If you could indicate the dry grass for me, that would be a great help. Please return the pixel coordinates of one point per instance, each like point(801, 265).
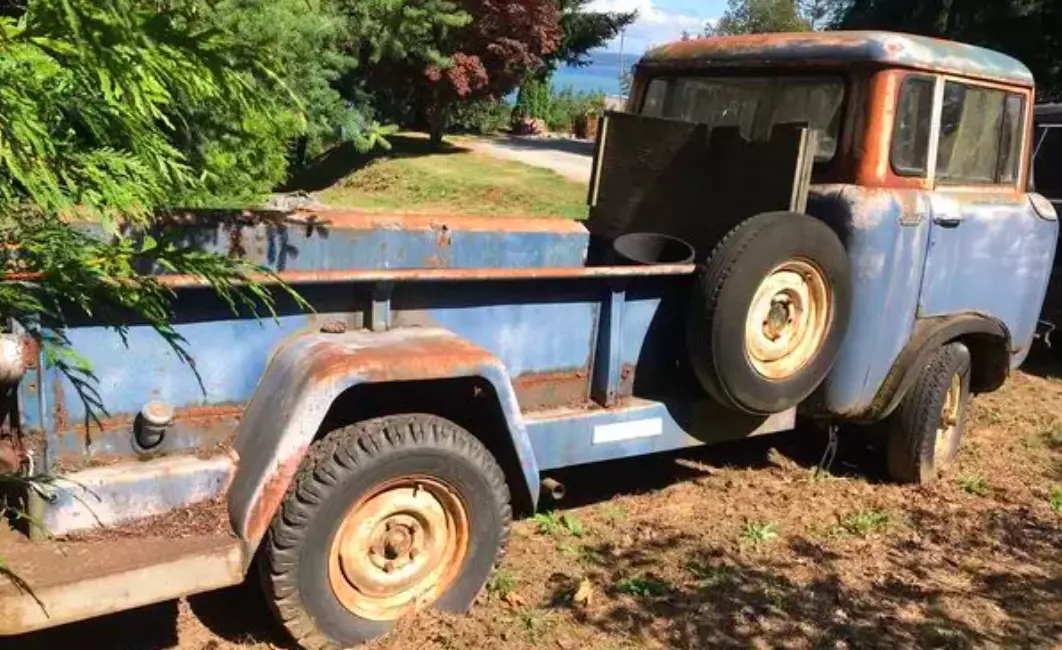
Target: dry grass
point(741, 547)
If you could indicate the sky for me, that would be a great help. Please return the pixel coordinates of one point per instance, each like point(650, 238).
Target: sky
point(660, 21)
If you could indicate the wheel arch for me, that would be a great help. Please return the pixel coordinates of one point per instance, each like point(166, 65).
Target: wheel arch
point(987, 339)
point(316, 380)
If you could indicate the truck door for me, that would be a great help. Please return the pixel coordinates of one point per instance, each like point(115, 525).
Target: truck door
point(989, 251)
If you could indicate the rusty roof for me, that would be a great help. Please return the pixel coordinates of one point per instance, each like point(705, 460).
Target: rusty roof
point(833, 48)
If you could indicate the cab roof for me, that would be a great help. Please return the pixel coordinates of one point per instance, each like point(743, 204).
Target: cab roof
point(840, 48)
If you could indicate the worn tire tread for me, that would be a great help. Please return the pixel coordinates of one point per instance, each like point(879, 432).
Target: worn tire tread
point(341, 452)
point(912, 427)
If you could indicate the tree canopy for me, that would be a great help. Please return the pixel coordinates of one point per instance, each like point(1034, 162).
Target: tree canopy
point(759, 16)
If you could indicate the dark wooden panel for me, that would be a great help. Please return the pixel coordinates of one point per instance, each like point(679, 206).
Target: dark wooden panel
point(682, 179)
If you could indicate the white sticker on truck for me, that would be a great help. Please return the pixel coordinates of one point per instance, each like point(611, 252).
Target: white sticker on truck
point(620, 431)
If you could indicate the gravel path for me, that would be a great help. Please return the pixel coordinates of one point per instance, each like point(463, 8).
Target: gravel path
point(572, 159)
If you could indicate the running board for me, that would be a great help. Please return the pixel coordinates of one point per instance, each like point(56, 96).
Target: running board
point(54, 583)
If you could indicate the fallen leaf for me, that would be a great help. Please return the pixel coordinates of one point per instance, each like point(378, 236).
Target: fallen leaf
point(514, 599)
point(584, 594)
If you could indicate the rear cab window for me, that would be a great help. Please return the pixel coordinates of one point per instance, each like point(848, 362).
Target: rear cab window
point(754, 104)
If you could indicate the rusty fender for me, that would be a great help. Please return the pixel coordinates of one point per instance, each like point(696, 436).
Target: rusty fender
point(307, 374)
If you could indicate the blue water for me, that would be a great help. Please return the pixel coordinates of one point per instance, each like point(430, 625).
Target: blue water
point(602, 75)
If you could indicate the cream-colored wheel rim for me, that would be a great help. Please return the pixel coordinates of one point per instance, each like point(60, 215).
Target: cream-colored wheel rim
point(399, 548)
point(787, 323)
point(949, 421)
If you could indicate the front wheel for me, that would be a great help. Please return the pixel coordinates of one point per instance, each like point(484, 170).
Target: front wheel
point(925, 431)
point(384, 517)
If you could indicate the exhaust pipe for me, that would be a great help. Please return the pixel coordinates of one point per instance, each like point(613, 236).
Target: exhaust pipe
point(554, 488)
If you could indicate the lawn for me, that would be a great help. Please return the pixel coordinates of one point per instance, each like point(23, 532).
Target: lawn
point(413, 177)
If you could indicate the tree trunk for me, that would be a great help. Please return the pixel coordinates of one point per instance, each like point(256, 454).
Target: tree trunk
point(440, 118)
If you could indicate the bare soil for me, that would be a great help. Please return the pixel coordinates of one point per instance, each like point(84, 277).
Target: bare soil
point(741, 546)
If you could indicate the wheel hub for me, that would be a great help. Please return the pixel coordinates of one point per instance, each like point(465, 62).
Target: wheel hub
point(949, 420)
point(398, 548)
point(788, 319)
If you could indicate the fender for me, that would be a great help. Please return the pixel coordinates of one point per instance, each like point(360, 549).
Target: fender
point(929, 334)
point(308, 373)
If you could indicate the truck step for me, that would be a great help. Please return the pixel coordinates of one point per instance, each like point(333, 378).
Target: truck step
point(50, 583)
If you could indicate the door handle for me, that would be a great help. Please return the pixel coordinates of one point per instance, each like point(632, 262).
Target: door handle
point(947, 222)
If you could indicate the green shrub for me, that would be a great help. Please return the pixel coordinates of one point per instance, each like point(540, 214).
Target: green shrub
point(567, 107)
point(480, 117)
point(534, 99)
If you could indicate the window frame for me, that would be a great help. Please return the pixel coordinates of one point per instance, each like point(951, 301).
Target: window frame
point(931, 150)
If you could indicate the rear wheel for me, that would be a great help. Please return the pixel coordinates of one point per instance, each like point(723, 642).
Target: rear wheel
point(926, 430)
point(385, 517)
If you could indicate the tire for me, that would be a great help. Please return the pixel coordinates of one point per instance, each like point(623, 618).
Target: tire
point(784, 262)
point(426, 482)
point(914, 430)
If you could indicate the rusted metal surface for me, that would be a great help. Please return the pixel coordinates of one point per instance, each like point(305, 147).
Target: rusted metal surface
point(76, 581)
point(272, 493)
point(132, 490)
point(537, 391)
point(10, 456)
point(310, 371)
point(13, 358)
point(841, 49)
point(454, 275)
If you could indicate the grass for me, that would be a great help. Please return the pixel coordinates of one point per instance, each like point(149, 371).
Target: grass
point(645, 586)
point(709, 576)
point(974, 484)
point(553, 524)
point(1055, 498)
point(864, 523)
point(759, 533)
point(412, 177)
point(501, 583)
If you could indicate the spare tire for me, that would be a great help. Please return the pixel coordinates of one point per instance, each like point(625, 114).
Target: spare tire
point(769, 312)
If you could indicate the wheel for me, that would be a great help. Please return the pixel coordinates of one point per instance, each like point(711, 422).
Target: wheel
point(925, 431)
point(384, 517)
point(769, 312)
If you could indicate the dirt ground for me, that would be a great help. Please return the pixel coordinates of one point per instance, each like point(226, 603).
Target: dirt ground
point(741, 546)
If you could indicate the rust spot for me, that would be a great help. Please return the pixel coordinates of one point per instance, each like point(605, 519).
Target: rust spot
point(200, 415)
point(626, 387)
point(415, 358)
point(31, 351)
point(538, 391)
point(272, 494)
point(62, 419)
point(334, 327)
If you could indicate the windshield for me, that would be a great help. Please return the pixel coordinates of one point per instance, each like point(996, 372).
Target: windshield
point(754, 104)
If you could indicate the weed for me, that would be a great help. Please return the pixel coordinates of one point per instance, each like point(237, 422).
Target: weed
point(548, 523)
point(501, 583)
point(535, 623)
point(1050, 434)
point(584, 553)
point(553, 524)
point(974, 484)
point(614, 513)
point(759, 533)
point(710, 577)
point(644, 586)
point(572, 525)
point(821, 475)
point(1055, 498)
point(864, 523)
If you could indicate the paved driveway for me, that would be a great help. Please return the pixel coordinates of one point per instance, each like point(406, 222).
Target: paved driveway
point(569, 158)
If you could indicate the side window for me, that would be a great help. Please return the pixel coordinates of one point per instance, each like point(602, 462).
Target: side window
point(980, 135)
point(910, 134)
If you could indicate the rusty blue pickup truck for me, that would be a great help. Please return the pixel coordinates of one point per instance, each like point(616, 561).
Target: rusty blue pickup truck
point(837, 226)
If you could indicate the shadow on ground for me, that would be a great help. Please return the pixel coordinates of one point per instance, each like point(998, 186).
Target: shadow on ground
point(344, 159)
